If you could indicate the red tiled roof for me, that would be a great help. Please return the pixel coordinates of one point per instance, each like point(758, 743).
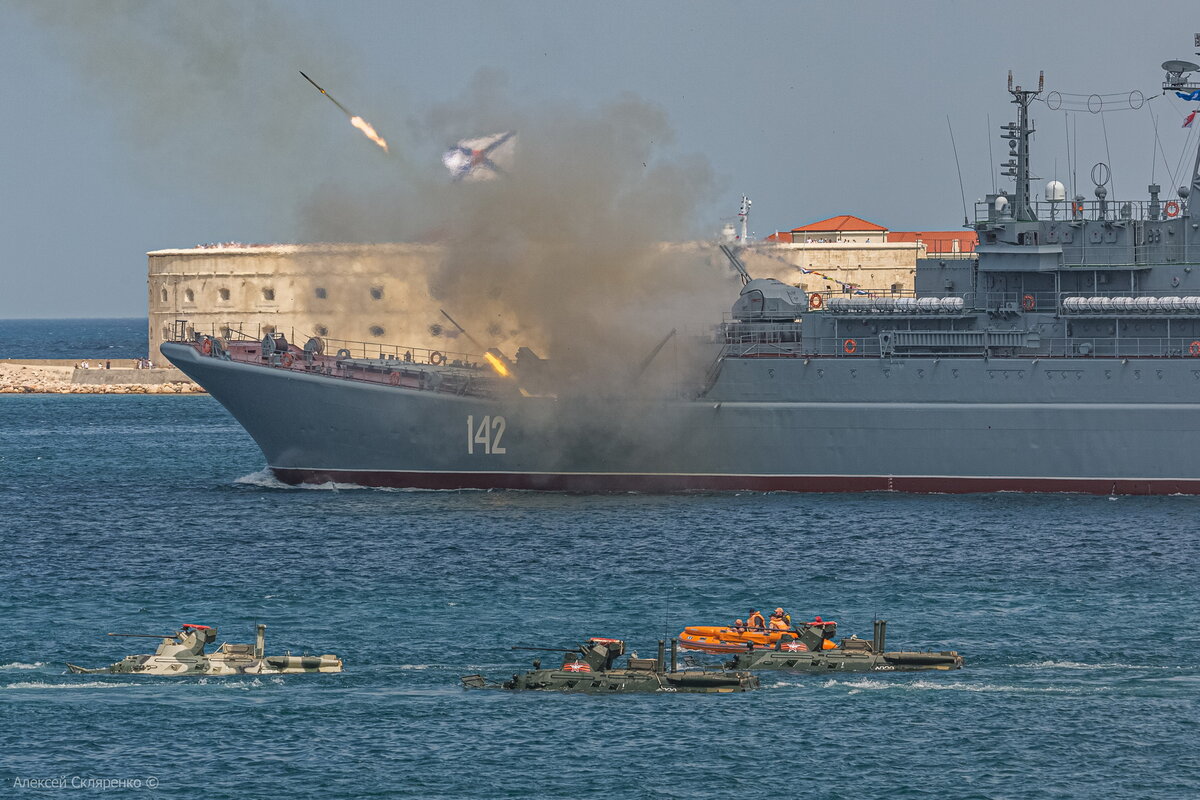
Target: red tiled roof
point(844, 222)
point(780, 236)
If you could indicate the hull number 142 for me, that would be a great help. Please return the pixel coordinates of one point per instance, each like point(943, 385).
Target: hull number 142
point(486, 437)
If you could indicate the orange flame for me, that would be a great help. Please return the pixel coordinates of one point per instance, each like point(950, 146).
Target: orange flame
point(366, 128)
point(497, 365)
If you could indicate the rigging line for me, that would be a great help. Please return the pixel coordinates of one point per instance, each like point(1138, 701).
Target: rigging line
point(1067, 131)
point(991, 159)
point(1108, 155)
point(1187, 146)
point(961, 190)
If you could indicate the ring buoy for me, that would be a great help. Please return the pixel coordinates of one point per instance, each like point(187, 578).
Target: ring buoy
point(1194, 348)
point(1078, 209)
point(1028, 302)
point(436, 358)
point(849, 346)
point(343, 353)
point(1171, 209)
point(815, 301)
point(394, 379)
point(206, 346)
point(287, 360)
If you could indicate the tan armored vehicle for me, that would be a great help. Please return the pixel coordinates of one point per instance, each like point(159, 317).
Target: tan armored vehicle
point(183, 654)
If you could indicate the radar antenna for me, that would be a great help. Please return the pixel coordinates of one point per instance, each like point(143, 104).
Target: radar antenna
point(1179, 81)
point(1017, 134)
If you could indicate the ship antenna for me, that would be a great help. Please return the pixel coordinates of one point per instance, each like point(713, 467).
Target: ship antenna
point(1018, 135)
point(991, 158)
point(961, 191)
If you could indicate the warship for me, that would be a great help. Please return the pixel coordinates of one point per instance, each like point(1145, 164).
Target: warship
point(806, 651)
point(1063, 355)
point(591, 668)
point(183, 653)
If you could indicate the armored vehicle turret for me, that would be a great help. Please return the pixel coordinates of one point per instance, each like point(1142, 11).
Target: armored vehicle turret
point(806, 650)
point(182, 653)
point(592, 668)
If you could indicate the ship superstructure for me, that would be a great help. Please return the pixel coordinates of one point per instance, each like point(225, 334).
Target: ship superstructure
point(1063, 356)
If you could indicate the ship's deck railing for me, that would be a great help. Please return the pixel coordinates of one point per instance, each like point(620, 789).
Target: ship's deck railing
point(970, 347)
point(1072, 210)
point(237, 332)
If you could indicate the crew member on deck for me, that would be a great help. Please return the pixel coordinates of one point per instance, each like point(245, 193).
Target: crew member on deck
point(756, 620)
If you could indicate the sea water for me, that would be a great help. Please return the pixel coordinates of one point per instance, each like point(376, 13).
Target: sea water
point(1077, 616)
point(73, 338)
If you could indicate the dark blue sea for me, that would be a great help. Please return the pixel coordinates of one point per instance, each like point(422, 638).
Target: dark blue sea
point(73, 338)
point(1077, 615)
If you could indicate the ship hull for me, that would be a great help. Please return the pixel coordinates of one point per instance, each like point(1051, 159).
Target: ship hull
point(766, 424)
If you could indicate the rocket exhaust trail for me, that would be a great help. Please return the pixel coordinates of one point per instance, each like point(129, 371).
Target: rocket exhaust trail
point(355, 120)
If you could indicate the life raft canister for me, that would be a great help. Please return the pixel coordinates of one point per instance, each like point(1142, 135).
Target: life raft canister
point(1171, 209)
point(815, 301)
point(850, 346)
point(1028, 302)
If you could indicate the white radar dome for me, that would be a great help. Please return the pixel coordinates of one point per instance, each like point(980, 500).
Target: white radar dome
point(1056, 192)
point(1001, 204)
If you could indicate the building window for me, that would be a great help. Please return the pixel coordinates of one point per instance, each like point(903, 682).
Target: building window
point(269, 295)
point(320, 292)
point(376, 292)
point(223, 294)
point(164, 294)
point(321, 330)
point(897, 288)
point(376, 331)
point(189, 296)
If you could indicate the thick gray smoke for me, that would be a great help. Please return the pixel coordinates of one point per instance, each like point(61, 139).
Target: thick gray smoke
point(576, 252)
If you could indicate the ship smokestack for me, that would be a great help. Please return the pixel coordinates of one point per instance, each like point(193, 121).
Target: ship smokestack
point(662, 658)
point(880, 639)
point(260, 639)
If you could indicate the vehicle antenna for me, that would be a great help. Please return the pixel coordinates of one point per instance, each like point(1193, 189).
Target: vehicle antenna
point(966, 219)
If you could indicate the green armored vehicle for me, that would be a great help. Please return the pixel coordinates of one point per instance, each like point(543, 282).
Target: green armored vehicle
point(591, 668)
point(806, 651)
point(183, 654)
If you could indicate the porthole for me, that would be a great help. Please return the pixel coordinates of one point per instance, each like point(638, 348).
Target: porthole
point(268, 295)
point(321, 330)
point(223, 294)
point(164, 294)
point(377, 331)
point(376, 292)
point(189, 296)
point(320, 292)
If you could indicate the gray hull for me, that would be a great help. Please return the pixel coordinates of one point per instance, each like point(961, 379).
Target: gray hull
point(796, 424)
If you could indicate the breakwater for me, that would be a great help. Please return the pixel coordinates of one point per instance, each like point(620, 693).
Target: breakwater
point(66, 376)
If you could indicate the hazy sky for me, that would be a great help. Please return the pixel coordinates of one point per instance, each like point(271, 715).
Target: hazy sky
point(134, 126)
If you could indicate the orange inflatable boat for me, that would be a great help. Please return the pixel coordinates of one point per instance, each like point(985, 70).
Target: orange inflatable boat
point(728, 639)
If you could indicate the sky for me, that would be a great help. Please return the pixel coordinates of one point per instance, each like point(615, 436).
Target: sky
point(132, 126)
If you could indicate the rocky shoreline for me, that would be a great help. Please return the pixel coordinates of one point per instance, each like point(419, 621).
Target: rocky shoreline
point(42, 379)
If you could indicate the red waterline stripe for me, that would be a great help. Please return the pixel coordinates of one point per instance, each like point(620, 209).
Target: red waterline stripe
point(665, 484)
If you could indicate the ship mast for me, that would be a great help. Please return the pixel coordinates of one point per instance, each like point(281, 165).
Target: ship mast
point(1017, 135)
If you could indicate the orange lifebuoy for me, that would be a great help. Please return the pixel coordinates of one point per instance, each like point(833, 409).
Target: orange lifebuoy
point(394, 379)
point(850, 346)
point(815, 301)
point(1028, 302)
point(206, 346)
point(287, 360)
point(436, 358)
point(1171, 209)
point(1194, 348)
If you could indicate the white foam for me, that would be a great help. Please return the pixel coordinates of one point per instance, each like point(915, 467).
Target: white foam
point(19, 665)
point(1080, 665)
point(862, 685)
point(88, 685)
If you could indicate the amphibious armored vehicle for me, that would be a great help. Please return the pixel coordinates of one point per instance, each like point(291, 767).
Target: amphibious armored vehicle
point(805, 652)
point(591, 668)
point(183, 654)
